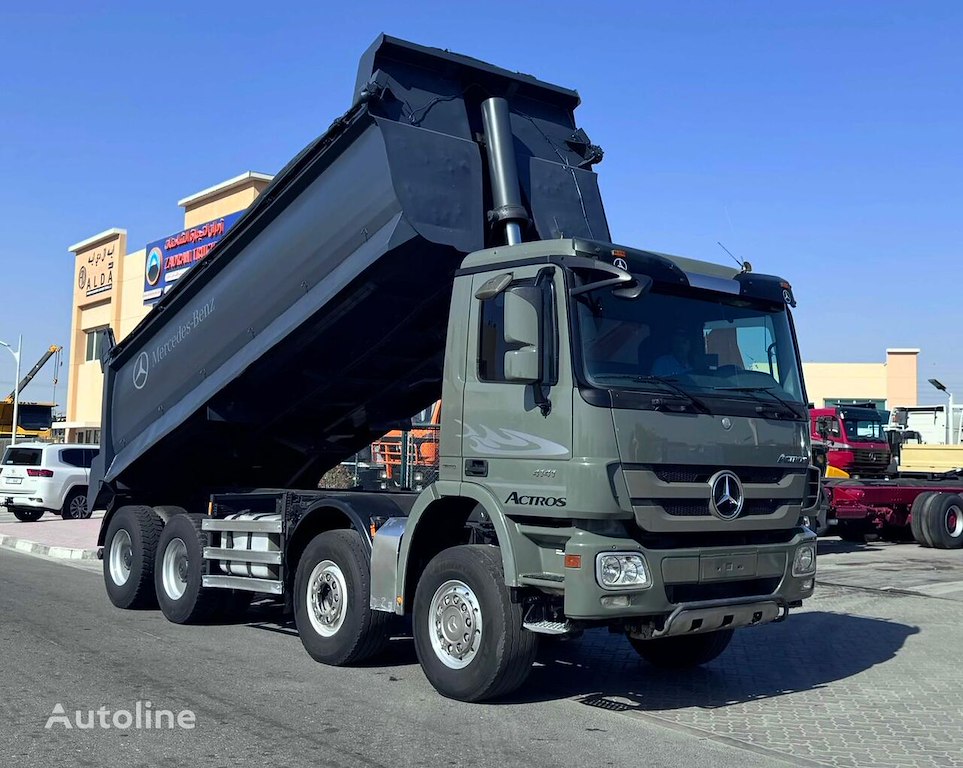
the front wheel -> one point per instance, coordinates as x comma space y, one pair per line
468, 633
332, 590
25, 515
683, 652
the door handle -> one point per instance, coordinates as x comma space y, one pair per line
476, 468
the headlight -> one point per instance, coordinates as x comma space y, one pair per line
622, 570
804, 562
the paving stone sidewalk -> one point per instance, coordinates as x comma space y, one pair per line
856, 678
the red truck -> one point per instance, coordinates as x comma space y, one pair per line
854, 438
927, 510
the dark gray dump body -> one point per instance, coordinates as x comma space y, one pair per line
319, 321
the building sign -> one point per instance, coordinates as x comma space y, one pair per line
96, 273
168, 259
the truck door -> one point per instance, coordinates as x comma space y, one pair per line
517, 436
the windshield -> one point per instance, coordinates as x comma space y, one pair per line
864, 430
35, 417
704, 344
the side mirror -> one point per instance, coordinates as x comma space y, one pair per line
523, 321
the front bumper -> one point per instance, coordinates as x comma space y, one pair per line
704, 579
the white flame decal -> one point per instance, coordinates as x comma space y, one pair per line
511, 442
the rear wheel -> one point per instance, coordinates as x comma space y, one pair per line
916, 517
130, 545
942, 521
178, 572
75, 505
332, 593
25, 515
683, 652
468, 633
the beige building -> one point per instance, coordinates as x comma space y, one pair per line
889, 384
113, 288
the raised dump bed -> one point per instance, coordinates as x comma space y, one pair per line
318, 322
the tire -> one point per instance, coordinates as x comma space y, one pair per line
942, 521
26, 515
465, 585
75, 505
923, 526
178, 571
916, 515
683, 652
332, 592
129, 548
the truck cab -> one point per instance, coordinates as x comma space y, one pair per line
617, 493
855, 439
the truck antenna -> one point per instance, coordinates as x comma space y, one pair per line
745, 266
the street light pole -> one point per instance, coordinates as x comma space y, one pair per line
16, 387
950, 432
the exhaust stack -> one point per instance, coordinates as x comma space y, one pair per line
501, 166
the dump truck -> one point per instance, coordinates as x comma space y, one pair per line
601, 463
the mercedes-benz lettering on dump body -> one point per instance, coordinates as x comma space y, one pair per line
623, 441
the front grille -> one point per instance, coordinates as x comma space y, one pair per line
867, 462
694, 473
720, 590
700, 508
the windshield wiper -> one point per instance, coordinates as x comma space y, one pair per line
768, 390
668, 384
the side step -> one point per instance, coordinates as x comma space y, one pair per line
242, 555
550, 627
242, 526
244, 583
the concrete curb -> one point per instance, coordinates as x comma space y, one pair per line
47, 550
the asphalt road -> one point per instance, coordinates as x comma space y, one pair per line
258, 699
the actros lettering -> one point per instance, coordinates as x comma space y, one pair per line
535, 501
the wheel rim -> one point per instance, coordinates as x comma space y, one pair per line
455, 624
327, 598
121, 554
174, 569
953, 520
78, 507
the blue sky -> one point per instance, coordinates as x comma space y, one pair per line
820, 141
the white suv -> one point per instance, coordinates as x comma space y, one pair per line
43, 477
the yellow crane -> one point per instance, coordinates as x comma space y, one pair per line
34, 419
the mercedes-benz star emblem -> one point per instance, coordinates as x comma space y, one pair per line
726, 422
725, 495
141, 370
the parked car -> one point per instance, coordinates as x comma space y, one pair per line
43, 477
